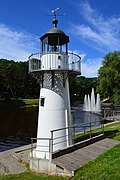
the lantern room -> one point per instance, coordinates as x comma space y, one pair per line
55, 40
54, 53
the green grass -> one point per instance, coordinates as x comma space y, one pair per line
81, 136
31, 101
18, 102
88, 133
30, 176
113, 131
105, 167
110, 130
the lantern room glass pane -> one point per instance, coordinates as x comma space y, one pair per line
45, 45
52, 45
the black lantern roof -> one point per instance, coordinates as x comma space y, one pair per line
55, 34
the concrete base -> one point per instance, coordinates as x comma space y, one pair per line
45, 166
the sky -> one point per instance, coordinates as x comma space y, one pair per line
93, 27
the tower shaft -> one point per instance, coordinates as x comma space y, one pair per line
54, 113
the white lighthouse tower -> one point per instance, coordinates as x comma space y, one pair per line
53, 66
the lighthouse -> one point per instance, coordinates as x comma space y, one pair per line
53, 66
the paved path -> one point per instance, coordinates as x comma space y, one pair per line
10, 160
72, 161
9, 165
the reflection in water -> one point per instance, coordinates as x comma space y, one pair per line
18, 125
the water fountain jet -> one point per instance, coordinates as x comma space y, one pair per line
91, 103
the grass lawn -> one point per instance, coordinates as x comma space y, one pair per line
30, 101
113, 131
18, 102
30, 176
105, 167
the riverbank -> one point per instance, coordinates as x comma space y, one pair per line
18, 103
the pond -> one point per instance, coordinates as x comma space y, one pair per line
18, 125
84, 120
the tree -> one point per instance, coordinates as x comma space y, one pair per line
80, 86
16, 81
109, 77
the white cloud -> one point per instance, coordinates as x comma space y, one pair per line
16, 45
90, 67
81, 54
100, 33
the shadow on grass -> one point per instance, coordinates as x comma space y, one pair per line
111, 133
107, 134
11, 103
85, 136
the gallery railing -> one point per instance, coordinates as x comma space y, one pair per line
55, 61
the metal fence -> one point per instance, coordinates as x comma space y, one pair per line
75, 134
111, 113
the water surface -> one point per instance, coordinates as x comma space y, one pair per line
18, 125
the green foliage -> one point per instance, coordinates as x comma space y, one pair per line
109, 77
16, 81
80, 86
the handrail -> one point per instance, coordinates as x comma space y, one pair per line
88, 129
83, 128
40, 54
54, 61
110, 113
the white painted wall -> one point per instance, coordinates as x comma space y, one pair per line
54, 61
52, 116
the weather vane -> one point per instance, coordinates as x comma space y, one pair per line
54, 12
55, 21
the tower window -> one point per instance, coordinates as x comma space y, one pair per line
59, 57
42, 102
